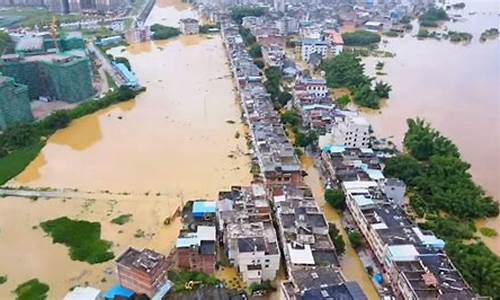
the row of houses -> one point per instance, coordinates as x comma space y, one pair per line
300, 233
412, 260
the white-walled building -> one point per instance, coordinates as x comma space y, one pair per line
353, 132
314, 46
189, 26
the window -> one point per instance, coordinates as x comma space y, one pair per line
267, 266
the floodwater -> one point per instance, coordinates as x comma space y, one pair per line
454, 86
352, 266
173, 139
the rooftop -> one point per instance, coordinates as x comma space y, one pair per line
147, 261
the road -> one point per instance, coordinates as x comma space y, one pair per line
106, 64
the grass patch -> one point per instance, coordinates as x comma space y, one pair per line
181, 278
122, 219
32, 290
16, 161
488, 232
3, 279
82, 237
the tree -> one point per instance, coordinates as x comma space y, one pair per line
290, 118
284, 97
337, 239
343, 101
356, 239
382, 89
239, 12
255, 51
365, 96
57, 120
335, 198
344, 70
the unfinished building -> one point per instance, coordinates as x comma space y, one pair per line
14, 103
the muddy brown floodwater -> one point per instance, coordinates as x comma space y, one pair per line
454, 86
173, 139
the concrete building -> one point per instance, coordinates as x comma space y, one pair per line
353, 131
196, 251
412, 260
250, 239
310, 46
14, 103
336, 42
144, 272
57, 76
189, 26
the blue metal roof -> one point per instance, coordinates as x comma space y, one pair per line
129, 76
118, 290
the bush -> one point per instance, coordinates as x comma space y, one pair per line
3, 279
265, 286
343, 101
356, 240
122, 219
488, 232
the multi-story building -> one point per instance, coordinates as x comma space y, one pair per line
196, 251
144, 272
310, 46
189, 26
336, 42
250, 239
351, 131
14, 103
316, 87
412, 260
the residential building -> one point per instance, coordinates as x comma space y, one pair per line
144, 272
249, 235
353, 131
189, 26
310, 46
336, 42
279, 5
83, 293
412, 260
14, 103
196, 251
204, 210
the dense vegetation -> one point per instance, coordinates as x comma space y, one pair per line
442, 191
346, 70
335, 198
337, 239
82, 237
181, 278
31, 290
238, 13
456, 36
489, 34
343, 101
20, 144
432, 16
360, 38
161, 32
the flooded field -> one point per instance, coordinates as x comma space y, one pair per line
28, 253
455, 87
174, 138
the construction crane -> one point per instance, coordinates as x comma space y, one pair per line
54, 33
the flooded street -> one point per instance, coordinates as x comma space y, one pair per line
352, 266
454, 86
174, 140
